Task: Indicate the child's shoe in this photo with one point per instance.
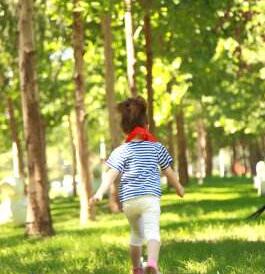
(151, 268)
(138, 270)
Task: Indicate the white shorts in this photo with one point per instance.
(143, 214)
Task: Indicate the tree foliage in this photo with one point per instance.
(211, 52)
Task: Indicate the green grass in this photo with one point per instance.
(206, 232)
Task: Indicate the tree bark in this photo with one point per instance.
(171, 144)
(182, 148)
(261, 144)
(201, 145)
(209, 156)
(130, 48)
(39, 220)
(254, 156)
(86, 209)
(170, 128)
(73, 152)
(234, 157)
(149, 66)
(170, 140)
(244, 158)
(114, 204)
(19, 167)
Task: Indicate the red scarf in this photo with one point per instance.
(142, 133)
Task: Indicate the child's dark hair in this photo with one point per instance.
(133, 113)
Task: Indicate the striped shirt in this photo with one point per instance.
(139, 162)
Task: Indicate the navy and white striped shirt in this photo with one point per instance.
(138, 162)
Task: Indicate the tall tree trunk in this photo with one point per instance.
(254, 155)
(209, 156)
(201, 144)
(19, 167)
(170, 140)
(73, 154)
(244, 158)
(170, 128)
(111, 104)
(171, 143)
(86, 209)
(261, 145)
(182, 148)
(149, 66)
(234, 157)
(130, 47)
(38, 212)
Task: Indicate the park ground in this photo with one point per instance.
(206, 232)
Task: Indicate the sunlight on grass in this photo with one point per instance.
(206, 232)
(202, 267)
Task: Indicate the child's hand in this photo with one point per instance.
(180, 190)
(95, 198)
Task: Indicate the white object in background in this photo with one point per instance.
(13, 206)
(5, 211)
(64, 188)
(67, 186)
(259, 179)
(55, 189)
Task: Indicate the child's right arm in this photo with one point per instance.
(108, 179)
(173, 180)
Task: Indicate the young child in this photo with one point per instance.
(138, 161)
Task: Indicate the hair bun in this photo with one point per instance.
(133, 113)
(141, 102)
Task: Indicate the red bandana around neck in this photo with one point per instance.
(143, 133)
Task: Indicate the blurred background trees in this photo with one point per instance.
(200, 65)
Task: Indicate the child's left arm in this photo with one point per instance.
(108, 179)
(173, 180)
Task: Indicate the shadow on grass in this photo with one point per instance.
(216, 184)
(19, 238)
(88, 254)
(201, 225)
(57, 260)
(11, 241)
(206, 206)
(190, 257)
(64, 209)
(222, 181)
(34, 261)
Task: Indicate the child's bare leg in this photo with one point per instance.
(136, 253)
(153, 247)
(152, 232)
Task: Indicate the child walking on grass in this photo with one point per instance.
(138, 161)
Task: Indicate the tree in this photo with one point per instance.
(17, 147)
(73, 154)
(201, 143)
(182, 147)
(86, 209)
(10, 85)
(110, 100)
(39, 220)
(130, 47)
(149, 65)
(209, 155)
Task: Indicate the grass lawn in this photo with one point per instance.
(206, 232)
